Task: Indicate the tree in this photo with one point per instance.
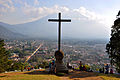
(113, 47)
(17, 66)
(4, 62)
(17, 50)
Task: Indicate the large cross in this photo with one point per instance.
(59, 29)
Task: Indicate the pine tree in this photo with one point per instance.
(4, 62)
(113, 47)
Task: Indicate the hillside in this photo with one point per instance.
(8, 34)
(42, 75)
(75, 29)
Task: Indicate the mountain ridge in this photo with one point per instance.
(8, 34)
(76, 29)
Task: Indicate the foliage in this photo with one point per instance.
(113, 47)
(95, 67)
(26, 64)
(36, 67)
(35, 58)
(21, 53)
(17, 66)
(44, 64)
(4, 62)
(87, 66)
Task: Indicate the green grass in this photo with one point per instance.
(39, 75)
(16, 76)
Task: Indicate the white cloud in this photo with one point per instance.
(3, 10)
(87, 14)
(6, 6)
(35, 13)
(32, 13)
(36, 2)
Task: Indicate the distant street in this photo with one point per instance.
(34, 52)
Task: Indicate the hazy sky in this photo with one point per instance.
(22, 11)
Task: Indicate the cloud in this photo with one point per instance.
(36, 2)
(35, 13)
(6, 6)
(87, 14)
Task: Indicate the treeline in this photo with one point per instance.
(4, 62)
(9, 65)
(113, 47)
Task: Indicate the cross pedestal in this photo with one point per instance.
(60, 67)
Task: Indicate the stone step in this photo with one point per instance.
(60, 67)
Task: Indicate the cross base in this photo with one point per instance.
(61, 68)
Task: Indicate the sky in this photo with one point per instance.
(23, 11)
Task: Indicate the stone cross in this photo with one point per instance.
(59, 20)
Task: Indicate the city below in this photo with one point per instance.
(90, 52)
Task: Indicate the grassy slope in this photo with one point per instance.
(22, 76)
(37, 75)
(110, 76)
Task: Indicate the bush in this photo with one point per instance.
(4, 62)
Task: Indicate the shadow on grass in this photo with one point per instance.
(111, 75)
(75, 74)
(81, 74)
(37, 72)
(3, 76)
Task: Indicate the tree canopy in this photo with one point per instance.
(4, 62)
(113, 47)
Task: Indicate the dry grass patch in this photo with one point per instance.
(110, 76)
(25, 76)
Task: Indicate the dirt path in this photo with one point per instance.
(80, 75)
